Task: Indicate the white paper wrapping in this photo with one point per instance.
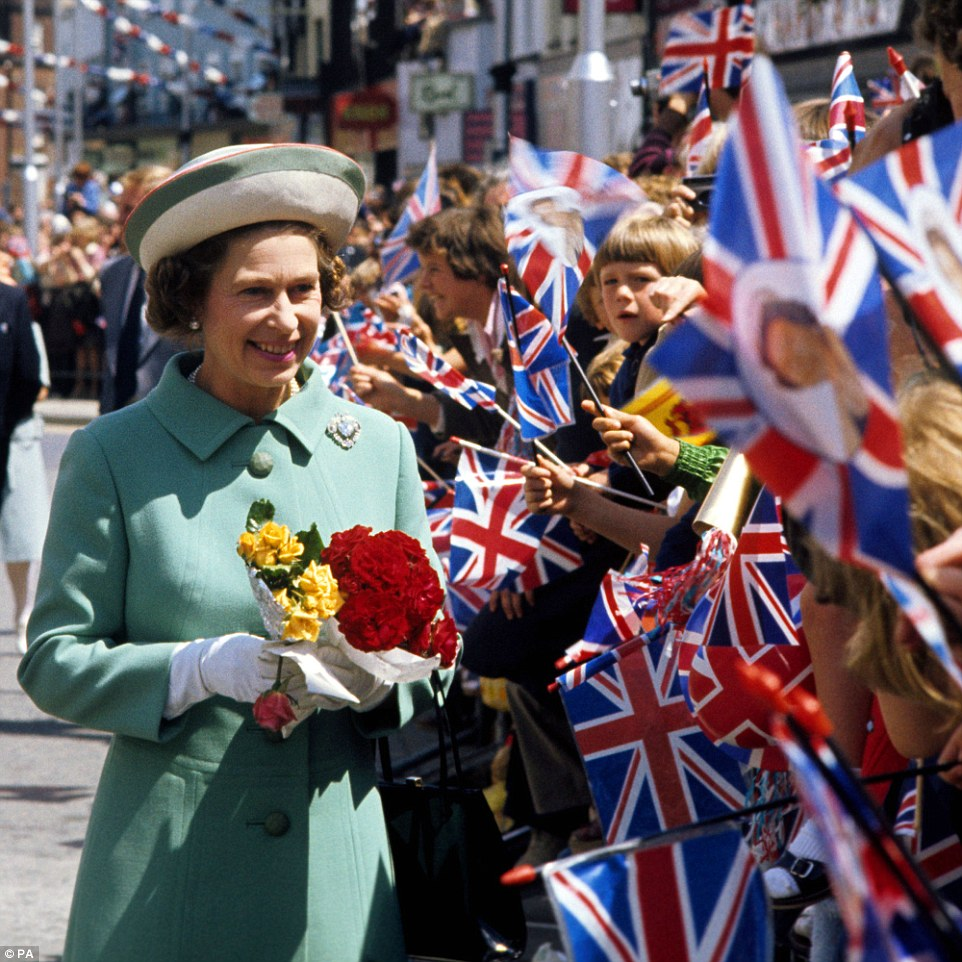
(392, 666)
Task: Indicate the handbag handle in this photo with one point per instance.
(445, 734)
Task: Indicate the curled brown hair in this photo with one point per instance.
(177, 286)
(940, 24)
(470, 238)
(931, 414)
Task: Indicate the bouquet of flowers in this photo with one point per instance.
(373, 596)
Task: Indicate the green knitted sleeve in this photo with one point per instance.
(696, 468)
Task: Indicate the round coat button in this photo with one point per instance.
(261, 464)
(276, 824)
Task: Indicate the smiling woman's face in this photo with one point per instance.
(260, 319)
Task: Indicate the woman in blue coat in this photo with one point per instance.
(208, 841)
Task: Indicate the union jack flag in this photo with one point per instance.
(788, 270)
(542, 381)
(494, 537)
(439, 524)
(423, 362)
(563, 205)
(623, 600)
(905, 823)
(699, 131)
(437, 494)
(925, 620)
(724, 37)
(910, 202)
(846, 111)
(751, 616)
(754, 604)
(398, 261)
(558, 553)
(649, 765)
(830, 158)
(846, 115)
(463, 602)
(883, 921)
(884, 96)
(692, 901)
(335, 362)
(924, 823)
(910, 87)
(359, 319)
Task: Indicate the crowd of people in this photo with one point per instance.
(193, 327)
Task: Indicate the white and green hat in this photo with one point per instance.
(246, 184)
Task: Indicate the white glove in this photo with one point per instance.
(237, 666)
(368, 689)
(333, 681)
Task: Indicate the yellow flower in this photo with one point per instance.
(273, 535)
(264, 556)
(290, 551)
(246, 545)
(301, 625)
(283, 599)
(319, 587)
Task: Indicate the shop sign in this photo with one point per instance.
(441, 93)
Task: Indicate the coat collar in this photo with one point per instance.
(203, 424)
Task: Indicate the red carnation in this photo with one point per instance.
(380, 562)
(445, 642)
(273, 710)
(338, 553)
(374, 621)
(424, 592)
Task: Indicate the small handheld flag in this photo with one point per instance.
(725, 38)
(398, 261)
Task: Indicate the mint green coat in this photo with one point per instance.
(206, 841)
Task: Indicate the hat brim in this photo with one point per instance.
(237, 186)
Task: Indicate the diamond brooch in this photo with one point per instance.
(343, 430)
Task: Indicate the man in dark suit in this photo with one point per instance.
(19, 369)
(134, 354)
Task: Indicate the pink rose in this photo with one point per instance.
(273, 710)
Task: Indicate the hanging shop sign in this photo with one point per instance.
(441, 93)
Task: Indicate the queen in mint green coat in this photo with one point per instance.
(207, 841)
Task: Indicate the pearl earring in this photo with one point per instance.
(194, 325)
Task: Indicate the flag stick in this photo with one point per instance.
(850, 121)
(432, 473)
(339, 321)
(801, 714)
(513, 321)
(917, 887)
(628, 456)
(546, 451)
(511, 459)
(706, 826)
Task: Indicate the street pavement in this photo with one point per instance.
(49, 774)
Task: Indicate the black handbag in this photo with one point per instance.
(448, 860)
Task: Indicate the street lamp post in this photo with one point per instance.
(590, 79)
(31, 215)
(58, 125)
